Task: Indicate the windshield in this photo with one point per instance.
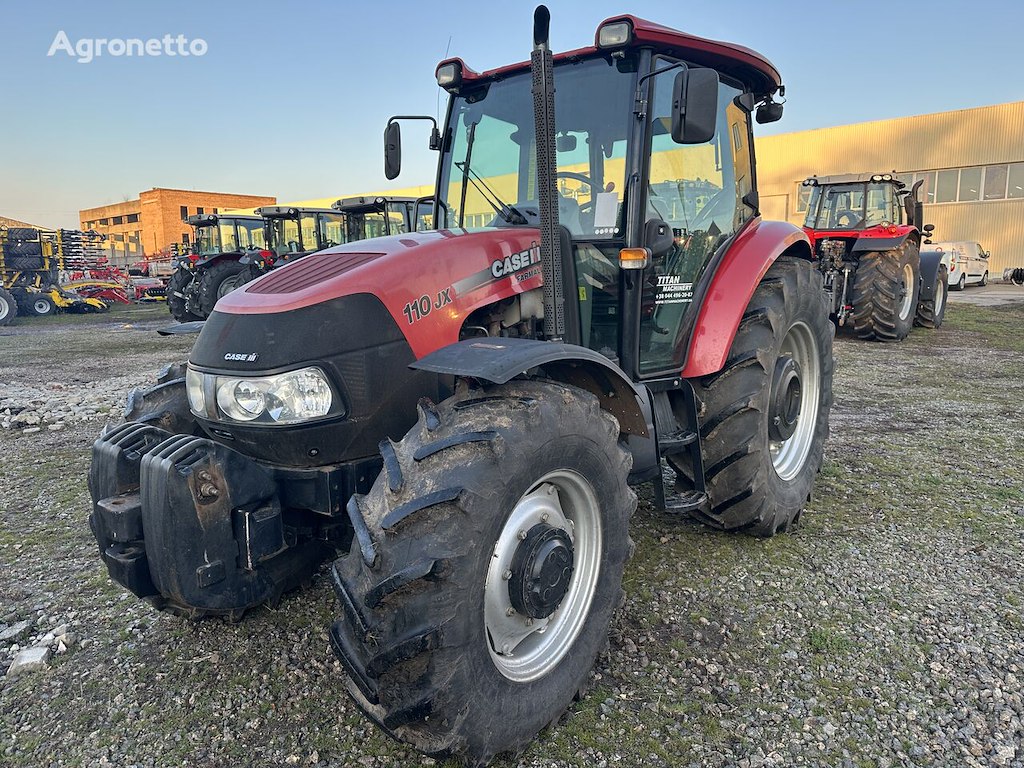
(332, 229)
(851, 206)
(492, 154)
(207, 240)
(285, 234)
(250, 234)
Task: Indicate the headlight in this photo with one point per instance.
(194, 388)
(288, 398)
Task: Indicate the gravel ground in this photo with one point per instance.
(888, 630)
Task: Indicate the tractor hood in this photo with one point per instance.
(428, 282)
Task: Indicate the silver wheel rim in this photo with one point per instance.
(42, 307)
(940, 297)
(227, 286)
(5, 308)
(908, 291)
(525, 649)
(789, 456)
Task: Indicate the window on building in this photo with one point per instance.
(184, 238)
(184, 212)
(927, 192)
(215, 210)
(995, 183)
(1015, 181)
(946, 186)
(104, 222)
(803, 194)
(200, 211)
(117, 220)
(133, 218)
(970, 184)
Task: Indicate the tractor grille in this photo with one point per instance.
(309, 271)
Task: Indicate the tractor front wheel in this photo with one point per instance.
(165, 404)
(217, 281)
(8, 307)
(486, 566)
(930, 313)
(764, 416)
(885, 290)
(177, 299)
(40, 305)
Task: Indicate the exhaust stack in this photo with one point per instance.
(541, 68)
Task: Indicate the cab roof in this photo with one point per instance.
(857, 178)
(746, 65)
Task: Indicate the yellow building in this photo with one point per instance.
(971, 161)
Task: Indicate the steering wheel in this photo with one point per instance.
(586, 180)
(850, 217)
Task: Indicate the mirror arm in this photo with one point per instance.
(639, 102)
(435, 134)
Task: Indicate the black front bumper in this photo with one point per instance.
(199, 528)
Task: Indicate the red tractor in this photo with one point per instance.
(214, 265)
(461, 412)
(866, 232)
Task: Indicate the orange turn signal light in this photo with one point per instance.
(634, 258)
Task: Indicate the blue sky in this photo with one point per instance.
(291, 99)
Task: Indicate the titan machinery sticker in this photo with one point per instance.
(672, 290)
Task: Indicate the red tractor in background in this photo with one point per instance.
(214, 263)
(461, 412)
(866, 232)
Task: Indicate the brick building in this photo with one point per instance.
(148, 225)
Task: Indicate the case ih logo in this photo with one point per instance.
(516, 262)
(241, 357)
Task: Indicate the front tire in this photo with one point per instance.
(217, 281)
(885, 291)
(962, 282)
(759, 479)
(984, 279)
(178, 288)
(931, 313)
(436, 649)
(40, 305)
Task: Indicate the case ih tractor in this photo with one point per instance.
(461, 412)
(866, 231)
(214, 264)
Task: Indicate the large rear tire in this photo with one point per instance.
(8, 307)
(178, 287)
(759, 473)
(885, 290)
(217, 281)
(485, 569)
(931, 313)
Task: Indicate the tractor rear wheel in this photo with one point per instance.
(885, 290)
(8, 307)
(486, 566)
(217, 281)
(165, 404)
(177, 301)
(764, 416)
(931, 313)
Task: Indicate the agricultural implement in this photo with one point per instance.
(35, 265)
(462, 412)
(866, 231)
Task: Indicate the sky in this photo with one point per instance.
(291, 99)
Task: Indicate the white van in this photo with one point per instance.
(968, 262)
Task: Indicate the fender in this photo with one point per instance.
(205, 261)
(501, 359)
(733, 285)
(884, 239)
(930, 262)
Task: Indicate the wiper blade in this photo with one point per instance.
(509, 213)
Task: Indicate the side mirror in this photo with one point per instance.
(658, 237)
(769, 112)
(392, 150)
(694, 106)
(929, 228)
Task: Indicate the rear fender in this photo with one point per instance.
(867, 242)
(207, 261)
(732, 287)
(930, 263)
(499, 360)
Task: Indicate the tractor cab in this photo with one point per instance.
(294, 232)
(218, 235)
(368, 217)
